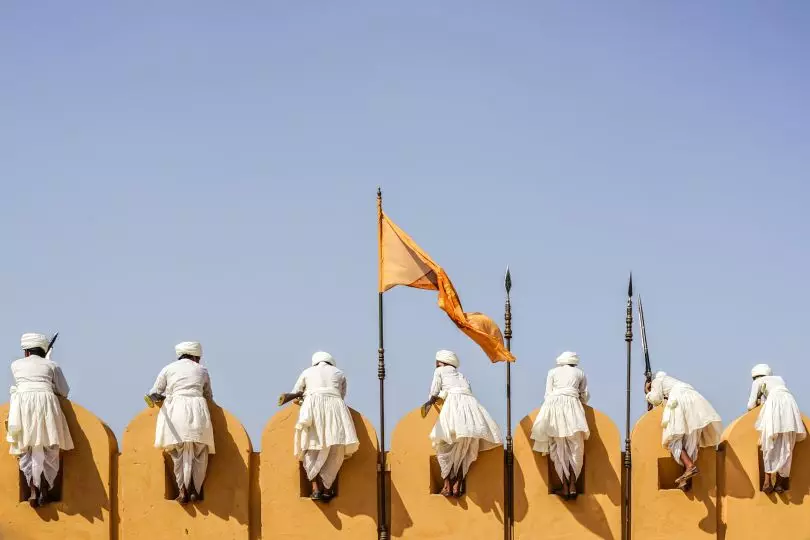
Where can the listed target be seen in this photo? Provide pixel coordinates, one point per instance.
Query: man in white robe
(184, 428)
(561, 427)
(464, 427)
(689, 421)
(37, 429)
(779, 424)
(324, 433)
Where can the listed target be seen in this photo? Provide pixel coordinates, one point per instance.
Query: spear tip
(630, 286)
(379, 192)
(508, 280)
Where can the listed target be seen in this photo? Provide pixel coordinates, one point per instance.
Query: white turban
(448, 357)
(568, 358)
(32, 341)
(659, 375)
(192, 348)
(321, 356)
(761, 370)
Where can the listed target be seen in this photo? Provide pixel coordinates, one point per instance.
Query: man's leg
(50, 468)
(558, 452)
(576, 454)
(445, 456)
(199, 468)
(784, 446)
(26, 466)
(330, 469)
(684, 450)
(313, 463)
(177, 453)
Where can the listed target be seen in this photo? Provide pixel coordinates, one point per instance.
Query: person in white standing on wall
(37, 429)
(689, 421)
(184, 428)
(464, 427)
(779, 424)
(324, 434)
(561, 428)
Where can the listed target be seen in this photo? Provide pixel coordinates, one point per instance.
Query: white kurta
(689, 420)
(779, 423)
(464, 427)
(184, 416)
(35, 416)
(324, 433)
(561, 428)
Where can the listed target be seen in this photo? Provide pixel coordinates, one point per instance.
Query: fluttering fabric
(464, 428)
(449, 358)
(324, 433)
(33, 341)
(568, 358)
(689, 420)
(761, 370)
(184, 416)
(403, 262)
(190, 462)
(321, 356)
(35, 415)
(779, 423)
(192, 348)
(561, 428)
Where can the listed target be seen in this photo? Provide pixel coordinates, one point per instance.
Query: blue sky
(207, 171)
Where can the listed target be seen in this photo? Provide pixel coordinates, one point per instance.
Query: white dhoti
(780, 427)
(560, 431)
(690, 423)
(190, 464)
(464, 429)
(324, 434)
(39, 461)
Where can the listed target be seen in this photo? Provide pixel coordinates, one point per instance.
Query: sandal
(316, 496)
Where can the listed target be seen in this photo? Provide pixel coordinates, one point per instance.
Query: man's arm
(753, 397)
(584, 395)
(60, 385)
(208, 392)
(297, 393)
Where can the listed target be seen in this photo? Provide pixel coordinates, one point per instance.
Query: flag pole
(382, 508)
(509, 474)
(628, 338)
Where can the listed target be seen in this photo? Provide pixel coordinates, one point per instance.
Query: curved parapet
(86, 501)
(597, 511)
(747, 512)
(147, 487)
(659, 509)
(287, 511)
(418, 511)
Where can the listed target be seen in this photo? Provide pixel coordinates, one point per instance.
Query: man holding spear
(37, 429)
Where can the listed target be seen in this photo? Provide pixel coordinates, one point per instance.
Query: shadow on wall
(287, 511)
(597, 510)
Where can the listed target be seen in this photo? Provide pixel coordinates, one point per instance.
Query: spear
(628, 338)
(508, 457)
(647, 368)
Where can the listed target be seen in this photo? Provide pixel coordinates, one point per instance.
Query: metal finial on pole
(628, 338)
(509, 476)
(382, 507)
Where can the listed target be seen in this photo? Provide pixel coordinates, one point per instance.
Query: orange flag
(402, 262)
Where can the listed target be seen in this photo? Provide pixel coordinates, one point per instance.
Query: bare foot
(457, 488)
(446, 490)
(182, 497)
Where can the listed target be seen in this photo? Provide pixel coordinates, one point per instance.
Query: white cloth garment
(464, 427)
(190, 464)
(38, 461)
(184, 416)
(779, 423)
(35, 416)
(689, 420)
(561, 428)
(324, 433)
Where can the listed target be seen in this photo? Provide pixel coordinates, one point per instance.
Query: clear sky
(207, 171)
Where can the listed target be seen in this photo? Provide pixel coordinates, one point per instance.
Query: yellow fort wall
(596, 513)
(88, 474)
(255, 495)
(747, 512)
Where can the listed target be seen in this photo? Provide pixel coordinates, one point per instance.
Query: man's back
(322, 376)
(185, 376)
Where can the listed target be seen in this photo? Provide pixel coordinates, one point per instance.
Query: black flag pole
(382, 507)
(509, 474)
(628, 338)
